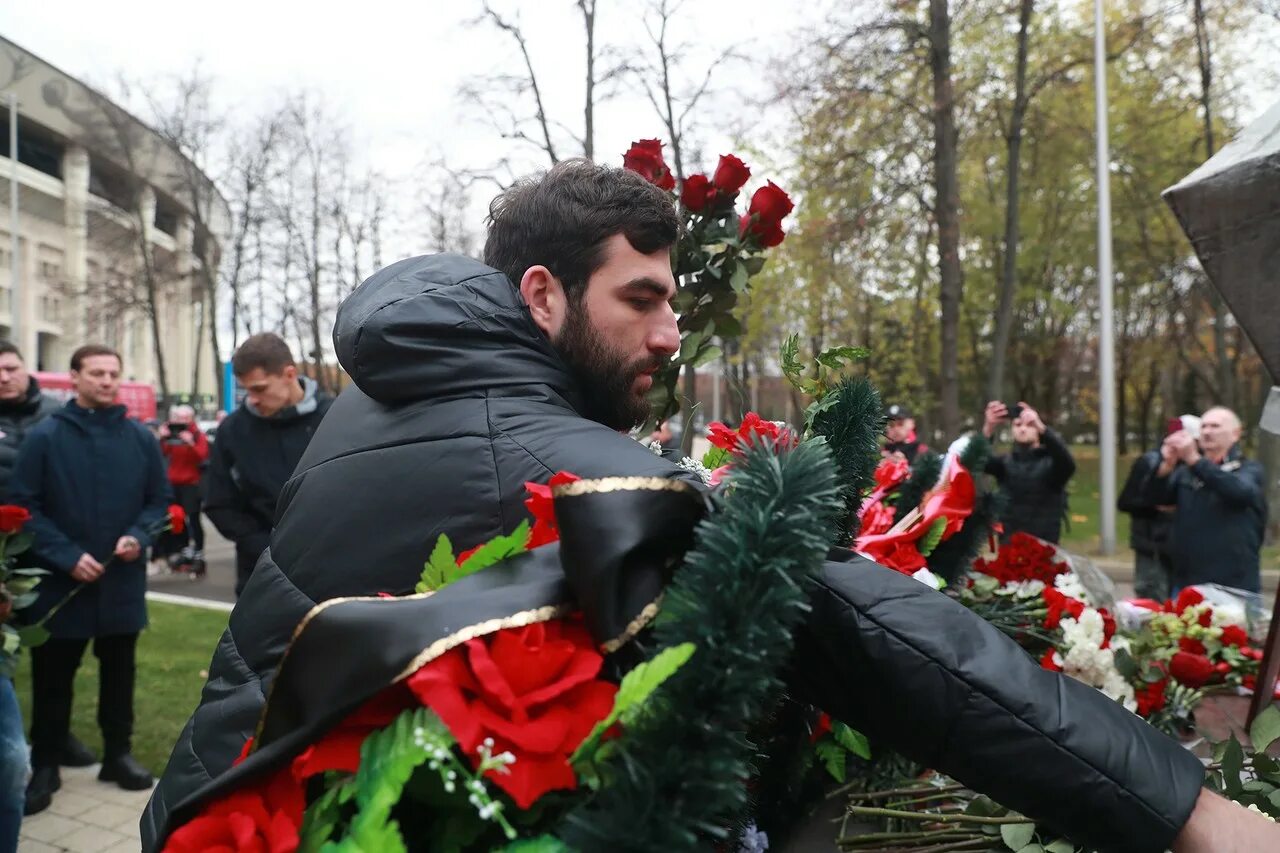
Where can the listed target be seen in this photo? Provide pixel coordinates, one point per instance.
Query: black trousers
(53, 672)
(188, 496)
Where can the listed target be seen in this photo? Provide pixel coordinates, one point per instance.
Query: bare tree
(445, 202)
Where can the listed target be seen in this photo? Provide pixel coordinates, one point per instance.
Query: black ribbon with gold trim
(620, 540)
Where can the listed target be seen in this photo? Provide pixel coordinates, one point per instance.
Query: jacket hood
(305, 406)
(441, 326)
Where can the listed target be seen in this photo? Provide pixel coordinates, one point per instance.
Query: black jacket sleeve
(996, 467)
(1133, 497)
(919, 672)
(1062, 463)
(159, 493)
(223, 503)
(1241, 488)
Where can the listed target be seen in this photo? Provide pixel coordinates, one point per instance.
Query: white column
(144, 354)
(75, 262)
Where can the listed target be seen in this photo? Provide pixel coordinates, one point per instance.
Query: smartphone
(176, 429)
(1015, 409)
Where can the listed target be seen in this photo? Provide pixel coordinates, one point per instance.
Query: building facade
(115, 225)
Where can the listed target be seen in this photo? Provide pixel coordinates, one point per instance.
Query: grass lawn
(1082, 535)
(173, 661)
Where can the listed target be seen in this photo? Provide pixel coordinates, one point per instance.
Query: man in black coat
(1151, 524)
(258, 446)
(1033, 476)
(470, 380)
(95, 484)
(22, 406)
(1221, 504)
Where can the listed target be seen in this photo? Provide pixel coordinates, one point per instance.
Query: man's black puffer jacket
(459, 400)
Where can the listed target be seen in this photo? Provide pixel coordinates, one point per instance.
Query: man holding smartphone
(1033, 476)
(185, 450)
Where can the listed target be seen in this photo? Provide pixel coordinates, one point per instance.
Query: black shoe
(76, 754)
(126, 772)
(197, 569)
(44, 781)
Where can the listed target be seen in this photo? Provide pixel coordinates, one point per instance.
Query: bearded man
(471, 379)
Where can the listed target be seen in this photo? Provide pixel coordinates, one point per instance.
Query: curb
(190, 601)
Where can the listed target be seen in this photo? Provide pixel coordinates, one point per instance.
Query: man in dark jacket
(22, 406)
(1033, 476)
(1221, 504)
(470, 380)
(95, 484)
(1151, 525)
(259, 445)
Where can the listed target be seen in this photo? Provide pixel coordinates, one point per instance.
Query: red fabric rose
(177, 519)
(543, 509)
(731, 174)
(12, 518)
(645, 158)
(533, 690)
(876, 519)
(892, 471)
(1194, 647)
(339, 748)
(750, 432)
(264, 818)
(697, 193)
(1191, 670)
(1150, 697)
(898, 552)
(763, 219)
(1234, 635)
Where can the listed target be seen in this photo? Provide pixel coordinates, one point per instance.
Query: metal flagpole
(1106, 342)
(13, 220)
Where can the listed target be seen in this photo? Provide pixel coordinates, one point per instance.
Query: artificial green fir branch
(852, 427)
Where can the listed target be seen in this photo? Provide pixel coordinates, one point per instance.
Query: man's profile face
(621, 332)
(1219, 430)
(269, 392)
(97, 382)
(13, 377)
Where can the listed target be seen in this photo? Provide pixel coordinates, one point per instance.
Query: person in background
(900, 432)
(94, 483)
(1033, 476)
(186, 449)
(258, 445)
(1151, 527)
(1220, 500)
(22, 406)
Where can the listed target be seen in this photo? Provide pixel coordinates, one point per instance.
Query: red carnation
(1187, 598)
(177, 519)
(1049, 661)
(533, 690)
(645, 158)
(1234, 635)
(731, 174)
(1150, 697)
(1059, 604)
(1190, 669)
(876, 519)
(12, 518)
(697, 193)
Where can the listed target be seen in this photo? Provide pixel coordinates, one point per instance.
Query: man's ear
(543, 294)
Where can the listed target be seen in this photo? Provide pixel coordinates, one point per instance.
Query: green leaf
(1232, 764)
(1274, 799)
(691, 344)
(1032, 848)
(715, 457)
(636, 687)
(836, 357)
(707, 354)
(1060, 846)
(791, 366)
(851, 739)
(541, 844)
(1016, 836)
(1265, 729)
(753, 264)
(1126, 665)
(19, 544)
(833, 758)
(930, 540)
(438, 566)
(33, 635)
(18, 586)
(738, 279)
(494, 551)
(322, 816)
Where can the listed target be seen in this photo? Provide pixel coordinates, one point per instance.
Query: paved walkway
(87, 816)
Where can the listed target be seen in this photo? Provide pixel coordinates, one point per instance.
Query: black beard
(601, 373)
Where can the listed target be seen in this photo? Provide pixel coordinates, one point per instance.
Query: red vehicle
(138, 397)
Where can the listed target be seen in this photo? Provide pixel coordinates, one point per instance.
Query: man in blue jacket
(1221, 504)
(94, 482)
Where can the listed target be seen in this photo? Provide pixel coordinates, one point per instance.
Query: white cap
(1191, 424)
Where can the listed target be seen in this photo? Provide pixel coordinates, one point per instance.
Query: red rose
(763, 220)
(767, 234)
(899, 552)
(892, 471)
(1191, 670)
(1190, 646)
(645, 158)
(533, 690)
(265, 818)
(877, 519)
(177, 518)
(12, 518)
(1150, 697)
(696, 193)
(339, 748)
(543, 509)
(1234, 635)
(731, 174)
